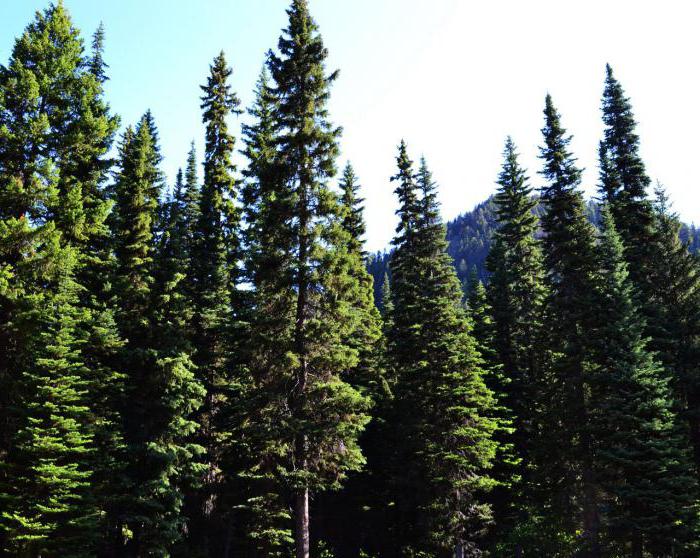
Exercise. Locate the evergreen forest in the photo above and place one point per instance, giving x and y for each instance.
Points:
(216, 368)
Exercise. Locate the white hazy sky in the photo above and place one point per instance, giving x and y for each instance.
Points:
(452, 77)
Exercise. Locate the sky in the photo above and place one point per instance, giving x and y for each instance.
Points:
(451, 77)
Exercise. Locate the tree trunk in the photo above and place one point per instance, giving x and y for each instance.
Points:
(459, 550)
(302, 524)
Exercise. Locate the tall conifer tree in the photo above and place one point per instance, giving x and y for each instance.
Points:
(444, 409)
(215, 270)
(569, 251)
(161, 392)
(56, 132)
(641, 456)
(664, 280)
(304, 280)
(624, 181)
(516, 296)
(674, 323)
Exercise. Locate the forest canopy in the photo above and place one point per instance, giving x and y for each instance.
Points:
(217, 368)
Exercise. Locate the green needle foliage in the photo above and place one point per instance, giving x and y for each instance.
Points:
(624, 182)
(516, 295)
(215, 269)
(306, 285)
(642, 457)
(569, 251)
(444, 413)
(203, 372)
(56, 335)
(161, 391)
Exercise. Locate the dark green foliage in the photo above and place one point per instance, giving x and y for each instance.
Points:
(569, 249)
(55, 336)
(624, 182)
(443, 412)
(301, 262)
(516, 296)
(674, 324)
(199, 374)
(161, 392)
(663, 274)
(642, 457)
(366, 375)
(214, 259)
(470, 237)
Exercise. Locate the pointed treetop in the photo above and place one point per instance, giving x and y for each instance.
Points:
(97, 64)
(430, 207)
(353, 220)
(512, 175)
(406, 191)
(559, 163)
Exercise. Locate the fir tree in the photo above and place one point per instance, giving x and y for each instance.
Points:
(569, 253)
(353, 221)
(56, 131)
(642, 458)
(305, 287)
(662, 273)
(161, 392)
(366, 375)
(268, 516)
(343, 511)
(674, 324)
(624, 182)
(189, 204)
(215, 264)
(444, 408)
(387, 306)
(516, 296)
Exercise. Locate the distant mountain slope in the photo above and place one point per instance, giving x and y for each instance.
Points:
(469, 237)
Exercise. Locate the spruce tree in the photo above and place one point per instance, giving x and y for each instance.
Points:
(641, 456)
(57, 335)
(674, 323)
(267, 524)
(624, 181)
(569, 254)
(353, 220)
(516, 295)
(342, 512)
(161, 391)
(664, 280)
(50, 507)
(365, 376)
(305, 286)
(444, 411)
(506, 506)
(215, 277)
(189, 204)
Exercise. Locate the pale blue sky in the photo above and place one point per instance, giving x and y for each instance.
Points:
(453, 77)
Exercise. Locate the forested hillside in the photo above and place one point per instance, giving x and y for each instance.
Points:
(469, 241)
(199, 369)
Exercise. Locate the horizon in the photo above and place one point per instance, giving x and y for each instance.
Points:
(417, 74)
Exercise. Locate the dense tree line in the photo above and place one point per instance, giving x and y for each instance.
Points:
(201, 370)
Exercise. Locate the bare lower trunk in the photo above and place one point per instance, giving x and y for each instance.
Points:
(302, 524)
(459, 550)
